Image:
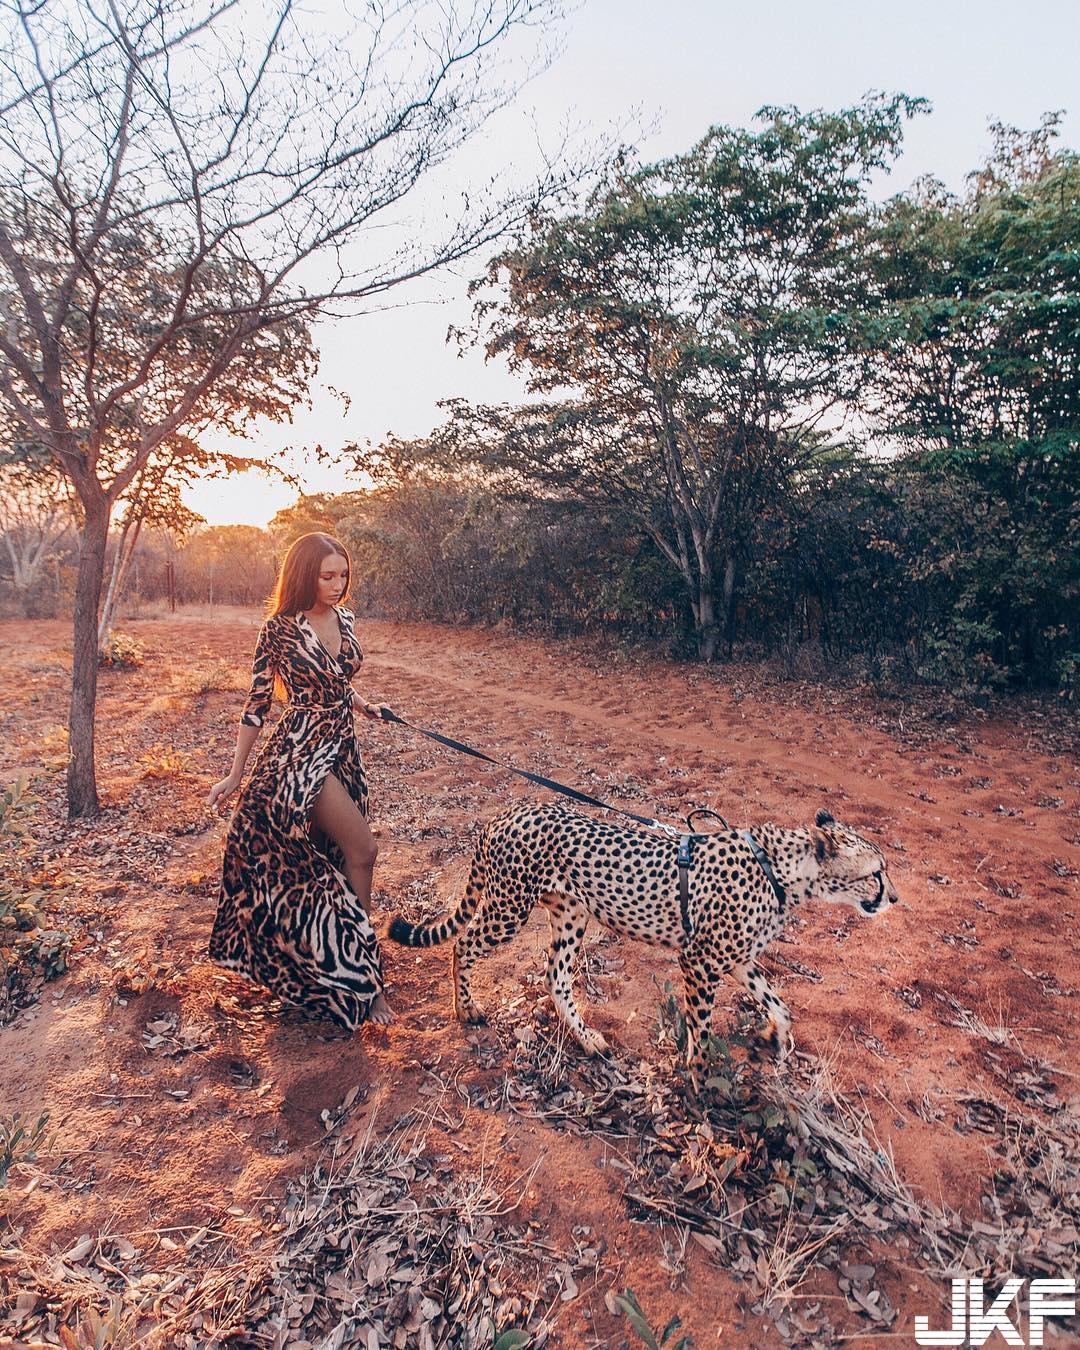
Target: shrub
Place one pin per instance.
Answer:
(19, 1142)
(165, 761)
(221, 675)
(30, 953)
(121, 652)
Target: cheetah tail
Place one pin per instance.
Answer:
(421, 935)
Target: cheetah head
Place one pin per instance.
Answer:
(851, 868)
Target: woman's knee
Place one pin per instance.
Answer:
(360, 851)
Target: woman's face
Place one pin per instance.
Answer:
(333, 577)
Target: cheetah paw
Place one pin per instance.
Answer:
(593, 1043)
(767, 1042)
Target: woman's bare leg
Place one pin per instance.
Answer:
(338, 816)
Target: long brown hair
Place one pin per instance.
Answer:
(298, 580)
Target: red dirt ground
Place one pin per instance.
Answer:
(179, 1102)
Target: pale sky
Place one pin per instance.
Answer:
(678, 68)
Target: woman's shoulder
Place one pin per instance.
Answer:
(276, 626)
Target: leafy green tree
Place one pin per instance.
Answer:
(979, 385)
(707, 314)
(982, 296)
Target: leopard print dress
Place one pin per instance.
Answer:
(287, 917)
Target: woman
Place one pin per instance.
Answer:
(296, 883)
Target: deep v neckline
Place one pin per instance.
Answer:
(333, 656)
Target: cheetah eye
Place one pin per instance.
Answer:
(875, 875)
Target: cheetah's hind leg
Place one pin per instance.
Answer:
(495, 921)
(568, 921)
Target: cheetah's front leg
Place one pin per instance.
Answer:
(568, 920)
(701, 979)
(777, 1030)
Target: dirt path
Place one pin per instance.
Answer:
(183, 1104)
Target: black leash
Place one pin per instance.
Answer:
(685, 856)
(388, 715)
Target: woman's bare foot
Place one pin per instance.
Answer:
(380, 1011)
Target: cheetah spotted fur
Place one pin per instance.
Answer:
(579, 867)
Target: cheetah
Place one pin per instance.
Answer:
(720, 921)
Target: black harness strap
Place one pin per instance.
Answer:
(766, 866)
(686, 861)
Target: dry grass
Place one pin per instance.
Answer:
(97, 1295)
(381, 1243)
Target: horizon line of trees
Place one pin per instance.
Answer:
(872, 568)
(865, 439)
(765, 408)
(770, 410)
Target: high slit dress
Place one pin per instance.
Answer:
(287, 917)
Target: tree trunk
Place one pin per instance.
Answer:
(730, 570)
(708, 634)
(81, 778)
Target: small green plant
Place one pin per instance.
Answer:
(19, 1142)
(511, 1340)
(727, 1074)
(764, 1134)
(19, 898)
(45, 951)
(628, 1304)
(1068, 676)
(121, 652)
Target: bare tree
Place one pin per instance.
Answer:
(184, 184)
(152, 499)
(37, 519)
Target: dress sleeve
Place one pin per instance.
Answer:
(263, 669)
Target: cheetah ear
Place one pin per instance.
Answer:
(824, 818)
(824, 844)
